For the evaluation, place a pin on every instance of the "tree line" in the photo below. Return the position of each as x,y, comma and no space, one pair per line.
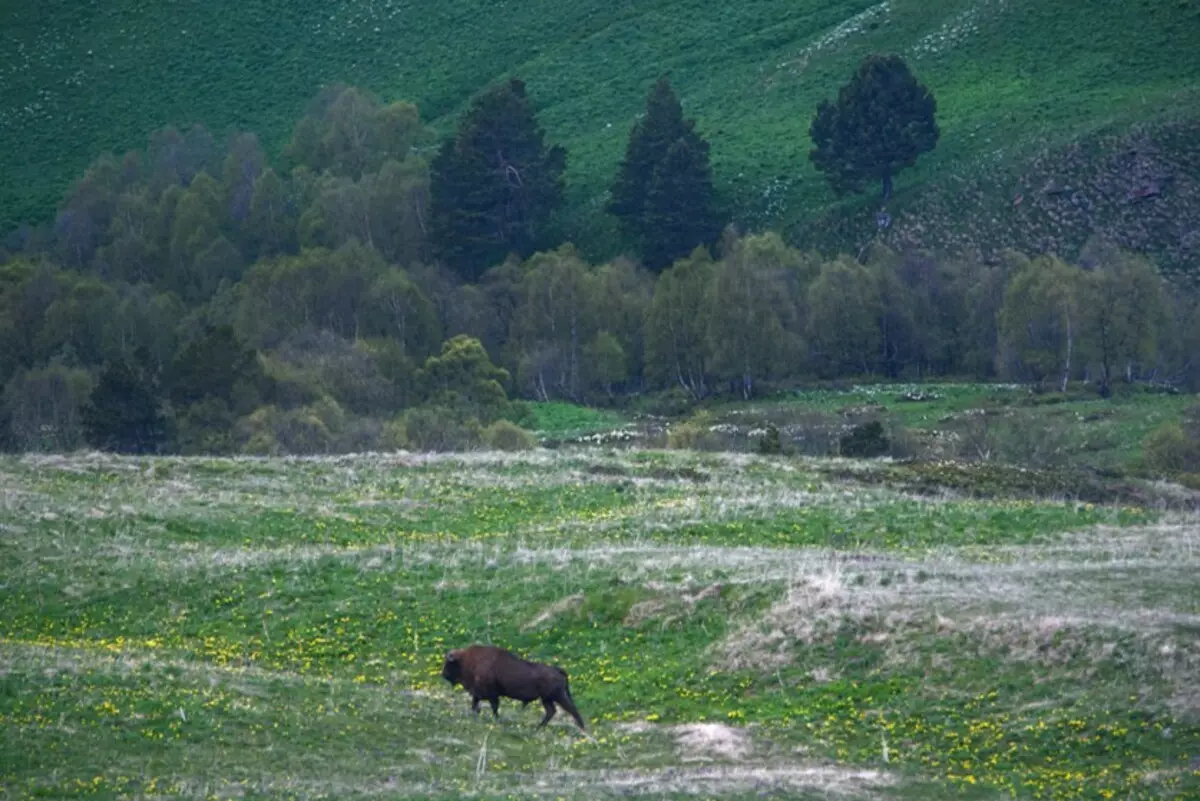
377,287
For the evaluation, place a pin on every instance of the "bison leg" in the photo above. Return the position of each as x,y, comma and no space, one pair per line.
566,702
549,705
495,702
475,705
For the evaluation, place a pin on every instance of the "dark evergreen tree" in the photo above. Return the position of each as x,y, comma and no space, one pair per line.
494,187
679,213
650,197
882,121
122,415
217,366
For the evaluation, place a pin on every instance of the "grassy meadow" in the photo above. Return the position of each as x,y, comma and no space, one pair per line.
734,626
78,79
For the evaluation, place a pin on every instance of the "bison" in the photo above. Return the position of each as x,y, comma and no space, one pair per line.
488,672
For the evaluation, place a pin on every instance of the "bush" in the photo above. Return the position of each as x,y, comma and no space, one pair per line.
865,441
674,402
1169,449
770,443
436,428
505,436
696,434
271,431
205,428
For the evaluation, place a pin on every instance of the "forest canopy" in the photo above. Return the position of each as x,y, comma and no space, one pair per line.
374,288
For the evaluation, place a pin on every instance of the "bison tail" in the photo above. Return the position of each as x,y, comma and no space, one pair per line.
568,703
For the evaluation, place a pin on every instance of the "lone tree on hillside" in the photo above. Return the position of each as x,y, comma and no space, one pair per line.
882,121
494,186
663,194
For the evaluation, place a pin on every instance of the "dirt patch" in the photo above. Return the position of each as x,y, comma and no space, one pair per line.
704,741
568,604
670,605
811,603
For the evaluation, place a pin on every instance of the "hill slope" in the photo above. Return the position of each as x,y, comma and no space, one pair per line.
79,78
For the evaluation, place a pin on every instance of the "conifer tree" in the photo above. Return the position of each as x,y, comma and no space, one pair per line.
882,121
679,212
495,185
663,192
122,415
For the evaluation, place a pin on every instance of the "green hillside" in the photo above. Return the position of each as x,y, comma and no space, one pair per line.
77,78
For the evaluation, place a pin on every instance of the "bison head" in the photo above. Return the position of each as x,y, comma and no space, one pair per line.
452,667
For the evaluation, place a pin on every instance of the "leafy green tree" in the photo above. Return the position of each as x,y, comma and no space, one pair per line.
1040,320
122,414
553,323
495,185
315,289
244,163
134,252
1121,305
882,121
843,318
28,288
398,206
201,255
678,348
272,226
44,407
752,323
400,310
174,159
80,322
621,296
348,133
663,193
86,212
605,363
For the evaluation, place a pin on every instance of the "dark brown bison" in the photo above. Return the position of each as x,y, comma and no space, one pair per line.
488,672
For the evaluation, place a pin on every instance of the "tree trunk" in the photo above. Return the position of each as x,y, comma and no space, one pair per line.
887,187
1070,345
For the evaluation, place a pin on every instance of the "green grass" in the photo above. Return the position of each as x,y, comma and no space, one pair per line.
261,628
1010,75
560,419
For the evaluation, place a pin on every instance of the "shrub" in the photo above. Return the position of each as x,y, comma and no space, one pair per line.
1169,449
394,436
865,441
505,436
205,428
436,428
770,443
696,434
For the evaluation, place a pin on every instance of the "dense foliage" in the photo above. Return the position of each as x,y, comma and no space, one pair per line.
356,294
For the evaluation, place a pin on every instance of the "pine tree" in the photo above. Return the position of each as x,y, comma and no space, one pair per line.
679,213
122,415
665,209
494,187
882,121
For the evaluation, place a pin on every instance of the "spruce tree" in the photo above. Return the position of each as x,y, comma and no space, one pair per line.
882,121
122,415
652,198
495,185
679,212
